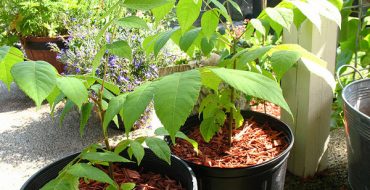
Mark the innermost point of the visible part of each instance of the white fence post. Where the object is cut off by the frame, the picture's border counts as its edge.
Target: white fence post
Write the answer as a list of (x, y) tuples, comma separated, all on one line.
[(310, 99)]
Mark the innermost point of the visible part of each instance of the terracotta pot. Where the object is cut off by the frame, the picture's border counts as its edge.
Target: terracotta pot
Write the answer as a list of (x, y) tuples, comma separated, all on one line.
[(37, 48)]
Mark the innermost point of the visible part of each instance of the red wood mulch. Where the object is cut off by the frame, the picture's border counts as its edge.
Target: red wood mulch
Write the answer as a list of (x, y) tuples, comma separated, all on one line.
[(143, 181), (252, 144)]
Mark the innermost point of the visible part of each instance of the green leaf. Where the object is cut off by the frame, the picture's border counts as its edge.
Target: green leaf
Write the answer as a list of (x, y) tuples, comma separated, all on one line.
[(210, 80), (209, 22), (106, 93), (67, 108), (138, 150), (163, 132), (8, 57), (114, 107), (104, 157), (135, 104), (160, 148), (253, 84), (132, 22), (187, 12), (311, 13), (90, 172), (337, 3), (65, 182), (143, 4), (58, 99), (85, 115), (282, 16), (327, 10), (236, 6), (208, 128), (53, 97), (35, 78), (248, 55), (121, 146), (149, 42), (128, 186), (188, 38), (282, 61), (175, 96), (257, 24), (222, 10), (160, 12), (207, 45), (110, 86), (97, 59), (121, 49), (161, 40), (73, 89), (238, 118)]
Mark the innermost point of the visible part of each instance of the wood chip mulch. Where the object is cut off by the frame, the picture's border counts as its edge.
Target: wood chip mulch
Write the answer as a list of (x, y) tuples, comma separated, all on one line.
[(143, 180), (252, 144)]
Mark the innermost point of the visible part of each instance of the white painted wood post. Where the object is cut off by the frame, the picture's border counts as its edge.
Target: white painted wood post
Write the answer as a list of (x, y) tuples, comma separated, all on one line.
[(310, 99)]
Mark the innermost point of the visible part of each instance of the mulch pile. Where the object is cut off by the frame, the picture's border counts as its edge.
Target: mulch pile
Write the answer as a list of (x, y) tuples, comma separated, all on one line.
[(252, 144), (143, 180)]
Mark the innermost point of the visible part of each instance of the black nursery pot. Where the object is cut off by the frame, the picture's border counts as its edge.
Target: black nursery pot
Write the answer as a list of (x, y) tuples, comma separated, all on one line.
[(267, 175), (178, 170)]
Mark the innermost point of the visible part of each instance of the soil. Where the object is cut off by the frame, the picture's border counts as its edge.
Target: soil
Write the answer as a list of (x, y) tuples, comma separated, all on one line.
[(143, 180), (252, 144)]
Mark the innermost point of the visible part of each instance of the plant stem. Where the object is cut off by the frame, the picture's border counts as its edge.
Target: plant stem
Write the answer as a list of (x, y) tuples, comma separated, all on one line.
[(232, 98)]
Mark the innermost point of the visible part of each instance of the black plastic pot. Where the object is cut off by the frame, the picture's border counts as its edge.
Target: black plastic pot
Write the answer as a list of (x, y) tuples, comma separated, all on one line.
[(178, 170), (267, 175)]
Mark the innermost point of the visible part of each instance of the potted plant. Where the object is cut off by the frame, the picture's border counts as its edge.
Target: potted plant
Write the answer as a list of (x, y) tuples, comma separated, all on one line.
[(251, 63), (38, 23), (97, 163)]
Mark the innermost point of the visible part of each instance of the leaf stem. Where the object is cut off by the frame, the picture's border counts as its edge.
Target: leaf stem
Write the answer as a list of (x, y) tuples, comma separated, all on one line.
[(232, 99)]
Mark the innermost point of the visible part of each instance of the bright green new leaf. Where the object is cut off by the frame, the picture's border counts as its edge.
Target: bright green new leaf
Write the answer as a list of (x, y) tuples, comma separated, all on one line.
[(73, 89), (282, 16), (8, 57), (90, 172), (311, 13), (67, 108), (257, 24), (188, 38), (175, 96), (253, 84), (282, 61), (121, 49), (132, 22), (104, 157), (187, 12), (66, 182), (135, 104), (36, 78), (128, 186), (161, 40), (114, 107), (143, 4), (160, 148), (209, 22), (137, 150), (85, 115), (160, 12)]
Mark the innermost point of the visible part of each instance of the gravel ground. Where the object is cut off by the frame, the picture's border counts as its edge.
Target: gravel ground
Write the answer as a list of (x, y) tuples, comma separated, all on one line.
[(31, 139)]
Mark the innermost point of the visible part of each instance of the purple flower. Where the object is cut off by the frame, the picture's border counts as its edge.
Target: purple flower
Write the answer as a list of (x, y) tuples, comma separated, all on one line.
[(73, 19), (112, 61), (97, 72), (58, 56), (107, 37), (78, 70)]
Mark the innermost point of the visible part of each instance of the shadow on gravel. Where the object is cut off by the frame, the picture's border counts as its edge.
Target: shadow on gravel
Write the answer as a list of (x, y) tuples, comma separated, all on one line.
[(44, 140)]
